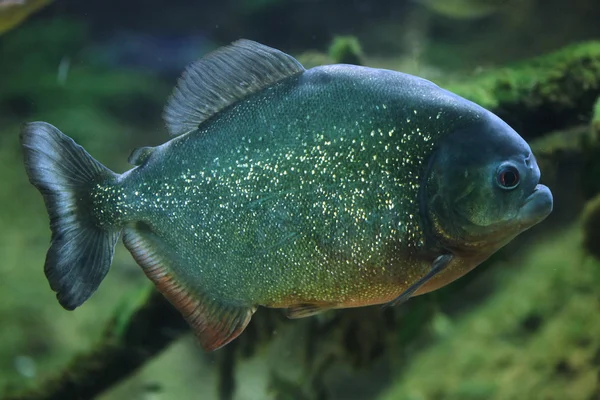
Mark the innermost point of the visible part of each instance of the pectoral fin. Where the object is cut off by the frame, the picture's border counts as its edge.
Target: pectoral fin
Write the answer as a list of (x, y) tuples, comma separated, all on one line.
[(214, 322), (439, 264)]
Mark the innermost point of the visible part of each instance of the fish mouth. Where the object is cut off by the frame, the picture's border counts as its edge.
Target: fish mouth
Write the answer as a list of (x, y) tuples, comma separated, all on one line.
[(537, 206)]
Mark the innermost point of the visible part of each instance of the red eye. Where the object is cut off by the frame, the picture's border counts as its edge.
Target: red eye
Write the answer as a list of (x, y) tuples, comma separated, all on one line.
[(508, 177)]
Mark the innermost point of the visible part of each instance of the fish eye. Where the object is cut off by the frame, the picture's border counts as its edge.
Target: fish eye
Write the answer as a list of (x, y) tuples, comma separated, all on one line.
[(507, 177)]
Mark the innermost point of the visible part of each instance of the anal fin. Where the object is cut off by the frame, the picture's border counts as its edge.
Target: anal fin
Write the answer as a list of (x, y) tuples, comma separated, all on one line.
[(215, 324), (307, 310)]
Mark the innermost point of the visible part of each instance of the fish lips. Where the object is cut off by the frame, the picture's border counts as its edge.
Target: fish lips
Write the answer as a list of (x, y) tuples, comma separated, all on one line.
[(537, 206)]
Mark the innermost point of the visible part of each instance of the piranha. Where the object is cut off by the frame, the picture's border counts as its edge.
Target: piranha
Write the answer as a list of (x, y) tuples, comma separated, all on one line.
[(308, 190)]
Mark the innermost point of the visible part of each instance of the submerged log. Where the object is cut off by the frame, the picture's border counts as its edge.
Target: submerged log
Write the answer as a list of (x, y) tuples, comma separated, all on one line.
[(138, 331)]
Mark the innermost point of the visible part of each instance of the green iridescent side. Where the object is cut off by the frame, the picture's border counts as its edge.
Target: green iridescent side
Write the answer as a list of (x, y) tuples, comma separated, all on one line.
[(279, 200)]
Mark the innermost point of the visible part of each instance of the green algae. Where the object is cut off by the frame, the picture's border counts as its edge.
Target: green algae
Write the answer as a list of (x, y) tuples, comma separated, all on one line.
[(346, 50), (543, 94)]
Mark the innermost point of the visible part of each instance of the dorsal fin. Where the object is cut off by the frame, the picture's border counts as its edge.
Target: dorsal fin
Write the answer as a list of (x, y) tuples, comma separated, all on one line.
[(222, 78)]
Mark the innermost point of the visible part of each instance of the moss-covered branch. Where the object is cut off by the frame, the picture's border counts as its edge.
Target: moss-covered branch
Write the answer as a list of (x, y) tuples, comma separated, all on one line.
[(543, 94), (139, 331)]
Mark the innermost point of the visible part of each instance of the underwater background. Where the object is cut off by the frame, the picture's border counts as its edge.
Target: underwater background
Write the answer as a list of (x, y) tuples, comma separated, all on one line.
[(523, 325)]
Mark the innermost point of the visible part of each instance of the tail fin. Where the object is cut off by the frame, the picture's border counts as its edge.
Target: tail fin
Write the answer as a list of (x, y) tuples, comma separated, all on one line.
[(81, 252)]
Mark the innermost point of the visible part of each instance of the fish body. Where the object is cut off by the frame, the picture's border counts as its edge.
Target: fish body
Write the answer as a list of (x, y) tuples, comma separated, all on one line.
[(340, 186), (284, 201)]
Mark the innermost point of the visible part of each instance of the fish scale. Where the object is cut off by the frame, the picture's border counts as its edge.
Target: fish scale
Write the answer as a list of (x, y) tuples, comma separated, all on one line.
[(306, 207)]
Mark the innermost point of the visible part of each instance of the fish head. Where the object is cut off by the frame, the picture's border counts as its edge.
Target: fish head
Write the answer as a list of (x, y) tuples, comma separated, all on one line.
[(482, 187)]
